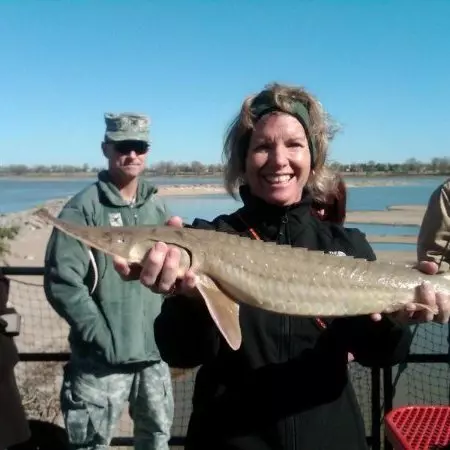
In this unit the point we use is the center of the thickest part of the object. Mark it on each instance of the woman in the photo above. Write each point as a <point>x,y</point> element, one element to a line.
<point>332,206</point>
<point>287,386</point>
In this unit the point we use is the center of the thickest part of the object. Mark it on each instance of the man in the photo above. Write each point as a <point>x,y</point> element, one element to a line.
<point>434,234</point>
<point>114,358</point>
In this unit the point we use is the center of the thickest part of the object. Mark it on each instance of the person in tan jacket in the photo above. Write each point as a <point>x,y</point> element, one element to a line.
<point>434,234</point>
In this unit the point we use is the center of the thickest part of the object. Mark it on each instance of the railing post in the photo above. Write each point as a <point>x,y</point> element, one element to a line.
<point>378,411</point>
<point>376,408</point>
<point>388,398</point>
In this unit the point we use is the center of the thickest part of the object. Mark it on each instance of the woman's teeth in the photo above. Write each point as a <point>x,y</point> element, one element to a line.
<point>278,179</point>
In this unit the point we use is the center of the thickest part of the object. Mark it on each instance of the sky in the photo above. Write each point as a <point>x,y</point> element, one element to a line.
<point>380,68</point>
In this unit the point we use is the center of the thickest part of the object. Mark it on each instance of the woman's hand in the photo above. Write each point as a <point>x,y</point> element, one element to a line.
<point>425,295</point>
<point>159,269</point>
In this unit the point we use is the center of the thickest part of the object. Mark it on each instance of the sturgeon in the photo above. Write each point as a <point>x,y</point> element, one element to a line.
<point>233,270</point>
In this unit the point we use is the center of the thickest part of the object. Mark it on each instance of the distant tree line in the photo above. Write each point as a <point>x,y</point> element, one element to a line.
<point>167,168</point>
<point>410,166</point>
<point>196,168</point>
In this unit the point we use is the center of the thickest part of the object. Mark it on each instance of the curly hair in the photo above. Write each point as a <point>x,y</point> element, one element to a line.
<point>333,202</point>
<point>319,127</point>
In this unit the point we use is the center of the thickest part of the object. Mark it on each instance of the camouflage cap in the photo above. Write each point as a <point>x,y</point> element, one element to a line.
<point>127,126</point>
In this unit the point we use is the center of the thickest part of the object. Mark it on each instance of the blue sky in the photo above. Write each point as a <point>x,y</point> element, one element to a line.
<point>381,68</point>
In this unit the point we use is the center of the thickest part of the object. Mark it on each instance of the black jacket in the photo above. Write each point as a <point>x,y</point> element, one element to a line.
<point>287,386</point>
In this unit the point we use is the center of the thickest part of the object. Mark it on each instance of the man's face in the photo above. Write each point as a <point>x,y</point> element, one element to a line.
<point>126,158</point>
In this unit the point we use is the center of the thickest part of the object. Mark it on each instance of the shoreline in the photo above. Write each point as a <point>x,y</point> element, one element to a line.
<point>63,176</point>
<point>199,189</point>
<point>28,247</point>
<point>209,181</point>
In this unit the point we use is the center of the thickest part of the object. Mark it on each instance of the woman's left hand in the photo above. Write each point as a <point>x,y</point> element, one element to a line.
<point>425,295</point>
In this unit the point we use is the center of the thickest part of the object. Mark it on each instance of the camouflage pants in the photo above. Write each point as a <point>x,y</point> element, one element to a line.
<point>93,398</point>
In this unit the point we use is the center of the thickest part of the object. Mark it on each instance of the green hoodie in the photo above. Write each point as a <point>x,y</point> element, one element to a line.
<point>115,321</point>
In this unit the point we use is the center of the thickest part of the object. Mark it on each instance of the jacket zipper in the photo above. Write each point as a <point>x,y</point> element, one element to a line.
<point>290,437</point>
<point>283,236</point>
<point>286,325</point>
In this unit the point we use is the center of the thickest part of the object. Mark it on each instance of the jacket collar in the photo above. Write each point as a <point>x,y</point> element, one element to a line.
<point>266,219</point>
<point>257,206</point>
<point>112,193</point>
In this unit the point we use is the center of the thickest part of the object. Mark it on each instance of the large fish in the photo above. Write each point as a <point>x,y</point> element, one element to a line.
<point>232,269</point>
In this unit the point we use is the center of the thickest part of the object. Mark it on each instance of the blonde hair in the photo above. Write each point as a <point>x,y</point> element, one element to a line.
<point>321,130</point>
<point>329,183</point>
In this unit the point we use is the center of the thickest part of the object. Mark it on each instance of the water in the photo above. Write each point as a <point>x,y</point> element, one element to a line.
<point>20,194</point>
<point>416,192</point>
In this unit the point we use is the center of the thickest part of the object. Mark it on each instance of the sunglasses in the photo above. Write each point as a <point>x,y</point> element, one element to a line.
<point>126,147</point>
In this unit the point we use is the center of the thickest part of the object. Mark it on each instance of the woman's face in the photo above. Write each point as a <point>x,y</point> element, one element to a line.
<point>278,161</point>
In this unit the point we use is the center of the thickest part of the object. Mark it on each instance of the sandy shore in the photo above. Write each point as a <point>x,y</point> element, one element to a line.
<point>29,246</point>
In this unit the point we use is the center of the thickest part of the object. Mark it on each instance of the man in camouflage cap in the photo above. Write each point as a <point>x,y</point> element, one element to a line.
<point>114,357</point>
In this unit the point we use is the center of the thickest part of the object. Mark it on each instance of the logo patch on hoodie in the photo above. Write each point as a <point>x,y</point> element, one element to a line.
<point>337,253</point>
<point>115,219</point>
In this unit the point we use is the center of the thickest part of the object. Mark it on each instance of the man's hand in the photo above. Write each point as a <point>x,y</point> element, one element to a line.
<point>428,267</point>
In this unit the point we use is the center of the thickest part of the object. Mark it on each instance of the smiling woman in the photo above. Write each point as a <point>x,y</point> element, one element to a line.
<point>285,384</point>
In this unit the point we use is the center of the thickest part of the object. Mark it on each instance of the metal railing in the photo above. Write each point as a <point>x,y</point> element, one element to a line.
<point>117,441</point>
<point>381,379</point>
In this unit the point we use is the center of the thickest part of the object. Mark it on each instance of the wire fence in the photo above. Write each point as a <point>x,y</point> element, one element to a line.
<point>43,347</point>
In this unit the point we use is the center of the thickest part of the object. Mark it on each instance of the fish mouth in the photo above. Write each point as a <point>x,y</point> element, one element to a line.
<point>278,180</point>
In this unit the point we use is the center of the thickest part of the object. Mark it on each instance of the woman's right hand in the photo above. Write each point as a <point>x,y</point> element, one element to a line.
<point>159,269</point>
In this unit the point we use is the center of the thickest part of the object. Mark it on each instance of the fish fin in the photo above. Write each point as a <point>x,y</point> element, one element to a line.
<point>223,310</point>
<point>421,307</point>
<point>416,305</point>
<point>434,310</point>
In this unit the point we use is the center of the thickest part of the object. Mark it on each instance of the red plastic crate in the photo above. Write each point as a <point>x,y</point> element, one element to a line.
<point>419,428</point>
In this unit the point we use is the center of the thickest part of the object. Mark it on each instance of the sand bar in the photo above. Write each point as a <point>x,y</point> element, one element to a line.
<point>391,239</point>
<point>394,215</point>
<point>29,246</point>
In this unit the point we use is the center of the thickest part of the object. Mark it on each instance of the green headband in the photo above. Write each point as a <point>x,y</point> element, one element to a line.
<point>264,104</point>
